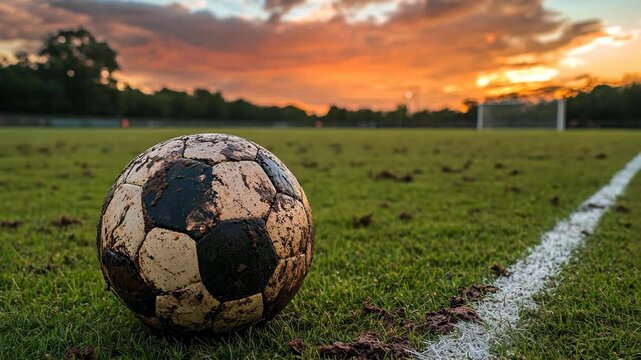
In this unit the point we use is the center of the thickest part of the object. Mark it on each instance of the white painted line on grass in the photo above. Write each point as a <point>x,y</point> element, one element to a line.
<point>500,311</point>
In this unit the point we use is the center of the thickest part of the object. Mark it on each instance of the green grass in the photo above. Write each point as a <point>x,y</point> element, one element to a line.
<point>53,296</point>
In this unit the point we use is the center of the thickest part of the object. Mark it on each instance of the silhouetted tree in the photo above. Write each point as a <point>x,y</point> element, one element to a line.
<point>84,66</point>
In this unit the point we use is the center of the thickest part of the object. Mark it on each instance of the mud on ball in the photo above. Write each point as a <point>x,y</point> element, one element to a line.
<point>205,232</point>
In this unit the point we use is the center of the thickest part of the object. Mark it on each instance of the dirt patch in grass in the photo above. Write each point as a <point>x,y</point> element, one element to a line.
<point>367,346</point>
<point>442,321</point>
<point>515,172</point>
<point>438,323</point>
<point>363,221</point>
<point>297,346</point>
<point>555,201</point>
<point>499,270</point>
<point>406,215</point>
<point>384,175</point>
<point>476,292</point>
<point>11,224</point>
<point>407,178</point>
<point>457,301</point>
<point>462,313</point>
<point>468,178</point>
<point>601,156</point>
<point>80,353</point>
<point>499,166</point>
<point>65,221</point>
<point>448,170</point>
<point>388,175</point>
<point>622,209</point>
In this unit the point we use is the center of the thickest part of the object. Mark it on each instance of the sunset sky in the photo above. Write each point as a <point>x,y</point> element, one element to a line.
<point>352,53</point>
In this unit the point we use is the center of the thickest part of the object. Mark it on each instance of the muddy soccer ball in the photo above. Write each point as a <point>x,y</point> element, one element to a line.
<point>205,232</point>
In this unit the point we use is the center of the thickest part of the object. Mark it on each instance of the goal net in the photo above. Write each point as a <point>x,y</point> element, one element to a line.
<point>522,114</point>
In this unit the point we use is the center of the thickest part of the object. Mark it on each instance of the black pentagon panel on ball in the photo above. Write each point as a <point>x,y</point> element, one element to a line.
<point>283,180</point>
<point>236,259</point>
<point>125,280</point>
<point>179,197</point>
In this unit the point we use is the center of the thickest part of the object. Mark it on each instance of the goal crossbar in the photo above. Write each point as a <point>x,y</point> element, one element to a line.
<point>517,118</point>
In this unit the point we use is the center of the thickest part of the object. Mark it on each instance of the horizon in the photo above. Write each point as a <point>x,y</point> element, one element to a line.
<point>350,53</point>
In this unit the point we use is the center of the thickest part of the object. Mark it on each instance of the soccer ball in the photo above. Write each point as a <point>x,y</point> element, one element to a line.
<point>205,232</point>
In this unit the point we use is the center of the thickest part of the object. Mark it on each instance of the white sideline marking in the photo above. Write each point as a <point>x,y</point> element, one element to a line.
<point>500,311</point>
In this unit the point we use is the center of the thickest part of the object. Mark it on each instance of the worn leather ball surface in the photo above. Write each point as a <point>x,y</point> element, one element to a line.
<point>206,232</point>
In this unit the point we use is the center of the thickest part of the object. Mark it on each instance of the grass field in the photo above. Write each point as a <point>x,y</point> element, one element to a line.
<point>461,203</point>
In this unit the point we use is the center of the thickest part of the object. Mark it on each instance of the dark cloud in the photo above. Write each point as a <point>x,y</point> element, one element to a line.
<point>201,28</point>
<point>428,43</point>
<point>436,9</point>
<point>272,5</point>
<point>30,20</point>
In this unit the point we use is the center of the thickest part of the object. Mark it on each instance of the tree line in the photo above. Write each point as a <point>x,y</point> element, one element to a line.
<point>72,74</point>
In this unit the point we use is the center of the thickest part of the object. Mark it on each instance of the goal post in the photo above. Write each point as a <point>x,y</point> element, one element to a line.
<point>560,115</point>
<point>522,114</point>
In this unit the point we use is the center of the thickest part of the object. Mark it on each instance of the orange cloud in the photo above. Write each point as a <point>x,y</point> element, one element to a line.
<point>446,50</point>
